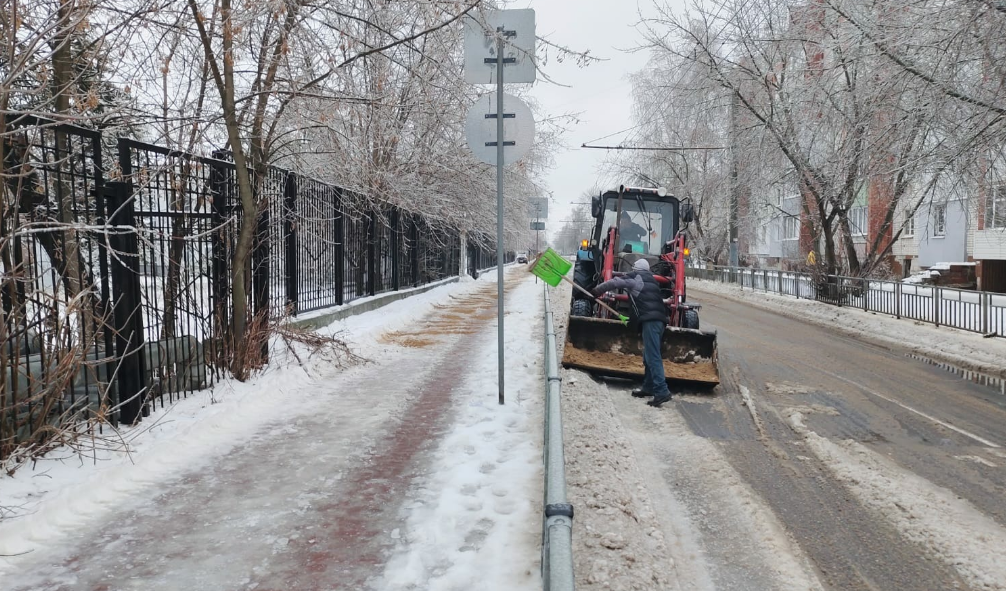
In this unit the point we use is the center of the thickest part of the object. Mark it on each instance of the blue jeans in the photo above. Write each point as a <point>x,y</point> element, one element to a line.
<point>653,363</point>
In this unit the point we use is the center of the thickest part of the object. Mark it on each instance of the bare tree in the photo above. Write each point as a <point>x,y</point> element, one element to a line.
<point>811,84</point>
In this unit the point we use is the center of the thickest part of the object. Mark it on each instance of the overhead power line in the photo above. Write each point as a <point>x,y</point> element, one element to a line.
<point>658,148</point>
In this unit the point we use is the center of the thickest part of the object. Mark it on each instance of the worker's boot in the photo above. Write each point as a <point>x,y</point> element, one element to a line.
<point>641,393</point>
<point>656,402</point>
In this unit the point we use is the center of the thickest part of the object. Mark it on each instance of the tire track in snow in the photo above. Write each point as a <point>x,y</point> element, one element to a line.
<point>929,515</point>
<point>743,543</point>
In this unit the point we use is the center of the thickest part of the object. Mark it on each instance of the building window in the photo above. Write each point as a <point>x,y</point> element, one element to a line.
<point>940,220</point>
<point>908,230</point>
<point>995,213</point>
<point>790,228</point>
<point>857,221</point>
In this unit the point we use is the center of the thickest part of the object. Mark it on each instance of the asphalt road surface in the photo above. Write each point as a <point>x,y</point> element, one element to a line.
<point>821,461</point>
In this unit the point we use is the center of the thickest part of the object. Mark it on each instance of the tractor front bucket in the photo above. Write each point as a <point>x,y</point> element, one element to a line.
<point>609,348</point>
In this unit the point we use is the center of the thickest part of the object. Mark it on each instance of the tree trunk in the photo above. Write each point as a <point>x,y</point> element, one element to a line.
<point>830,256</point>
<point>851,256</point>
<point>76,278</point>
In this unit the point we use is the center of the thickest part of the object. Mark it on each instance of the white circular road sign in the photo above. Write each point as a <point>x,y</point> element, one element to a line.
<point>518,127</point>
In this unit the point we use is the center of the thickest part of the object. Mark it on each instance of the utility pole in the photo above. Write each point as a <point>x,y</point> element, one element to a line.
<point>734,188</point>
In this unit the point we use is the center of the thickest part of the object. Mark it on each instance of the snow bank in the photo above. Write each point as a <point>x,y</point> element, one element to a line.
<point>921,277</point>
<point>475,521</point>
<point>946,266</point>
<point>964,349</point>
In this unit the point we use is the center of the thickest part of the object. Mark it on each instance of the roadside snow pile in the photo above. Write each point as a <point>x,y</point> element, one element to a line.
<point>960,348</point>
<point>474,522</point>
<point>70,484</point>
<point>618,543</point>
<point>933,273</point>
<point>922,277</point>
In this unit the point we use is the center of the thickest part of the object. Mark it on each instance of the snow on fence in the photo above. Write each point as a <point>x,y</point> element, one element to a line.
<point>975,311</point>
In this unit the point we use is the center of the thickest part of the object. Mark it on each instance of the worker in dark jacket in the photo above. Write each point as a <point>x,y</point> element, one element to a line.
<point>651,313</point>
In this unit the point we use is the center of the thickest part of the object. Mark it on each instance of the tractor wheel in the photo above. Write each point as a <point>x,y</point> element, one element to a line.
<point>581,308</point>
<point>691,319</point>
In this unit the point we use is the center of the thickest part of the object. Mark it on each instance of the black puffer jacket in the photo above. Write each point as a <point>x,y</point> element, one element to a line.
<point>644,291</point>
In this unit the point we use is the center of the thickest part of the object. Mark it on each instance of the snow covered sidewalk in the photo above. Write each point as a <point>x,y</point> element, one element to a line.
<point>402,473</point>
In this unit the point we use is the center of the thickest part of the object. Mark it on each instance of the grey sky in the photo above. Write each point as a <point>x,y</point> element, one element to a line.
<point>600,93</point>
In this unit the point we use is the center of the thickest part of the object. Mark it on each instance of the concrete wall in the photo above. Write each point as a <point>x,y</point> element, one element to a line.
<point>950,248</point>
<point>785,249</point>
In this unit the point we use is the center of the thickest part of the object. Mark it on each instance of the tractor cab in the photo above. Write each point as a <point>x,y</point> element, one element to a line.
<point>644,222</point>
<point>647,221</point>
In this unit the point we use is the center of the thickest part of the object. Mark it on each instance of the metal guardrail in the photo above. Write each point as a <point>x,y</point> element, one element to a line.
<point>975,311</point>
<point>557,526</point>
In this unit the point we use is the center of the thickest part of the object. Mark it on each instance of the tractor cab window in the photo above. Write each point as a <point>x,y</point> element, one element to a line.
<point>643,231</point>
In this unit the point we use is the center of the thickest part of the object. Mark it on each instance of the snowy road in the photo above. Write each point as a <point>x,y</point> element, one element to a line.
<point>821,462</point>
<point>403,473</point>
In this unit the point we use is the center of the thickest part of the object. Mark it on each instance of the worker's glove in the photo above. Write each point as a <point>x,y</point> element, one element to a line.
<point>597,292</point>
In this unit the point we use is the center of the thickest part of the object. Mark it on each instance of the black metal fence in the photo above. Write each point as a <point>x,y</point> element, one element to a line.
<point>55,288</point>
<point>975,311</point>
<point>331,247</point>
<point>116,294</point>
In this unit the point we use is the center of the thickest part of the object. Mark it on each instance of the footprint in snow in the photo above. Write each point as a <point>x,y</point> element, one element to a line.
<point>478,535</point>
<point>504,506</point>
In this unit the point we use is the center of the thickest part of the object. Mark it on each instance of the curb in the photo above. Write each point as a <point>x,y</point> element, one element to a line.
<point>353,308</point>
<point>557,527</point>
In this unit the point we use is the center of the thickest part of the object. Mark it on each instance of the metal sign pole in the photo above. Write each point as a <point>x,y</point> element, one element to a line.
<point>514,27</point>
<point>536,232</point>
<point>499,199</point>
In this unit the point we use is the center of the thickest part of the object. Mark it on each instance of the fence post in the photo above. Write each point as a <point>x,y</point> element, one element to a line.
<point>866,295</point>
<point>984,304</point>
<point>290,242</point>
<point>126,302</point>
<point>340,248</point>
<point>371,251</point>
<point>222,235</point>
<point>936,305</point>
<point>396,247</point>
<point>415,252</point>
<point>897,300</point>
<point>260,273</point>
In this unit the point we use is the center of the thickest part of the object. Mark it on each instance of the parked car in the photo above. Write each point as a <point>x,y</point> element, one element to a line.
<point>522,259</point>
